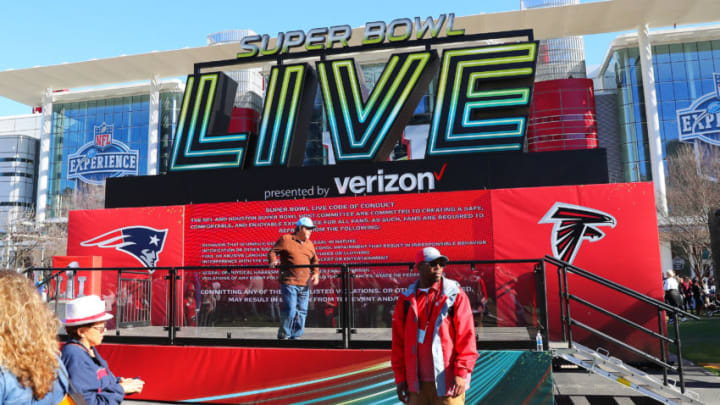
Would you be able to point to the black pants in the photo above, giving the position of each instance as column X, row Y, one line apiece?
column 673, row 298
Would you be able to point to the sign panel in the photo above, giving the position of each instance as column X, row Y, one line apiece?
column 592, row 226
column 701, row 121
column 361, row 377
column 373, row 229
column 469, row 172
column 131, row 237
column 102, row 158
column 609, row 230
column 483, row 94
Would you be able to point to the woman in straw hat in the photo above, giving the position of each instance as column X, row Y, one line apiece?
column 89, row 372
column 30, row 370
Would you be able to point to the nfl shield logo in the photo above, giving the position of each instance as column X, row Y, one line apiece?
column 103, row 135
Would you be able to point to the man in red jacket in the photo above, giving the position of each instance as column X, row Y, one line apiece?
column 433, row 342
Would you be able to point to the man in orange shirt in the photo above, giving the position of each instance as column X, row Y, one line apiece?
column 295, row 250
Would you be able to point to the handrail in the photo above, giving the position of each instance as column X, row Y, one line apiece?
column 621, row 343
column 347, row 306
column 619, row 287
column 621, row 319
column 567, row 321
column 265, row 266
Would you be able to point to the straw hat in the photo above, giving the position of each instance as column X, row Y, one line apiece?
column 85, row 310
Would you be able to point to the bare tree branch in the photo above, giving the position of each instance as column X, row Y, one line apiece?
column 692, row 191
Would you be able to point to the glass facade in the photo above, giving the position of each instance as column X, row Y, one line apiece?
column 558, row 58
column 81, row 129
column 170, row 104
column 18, row 176
column 683, row 73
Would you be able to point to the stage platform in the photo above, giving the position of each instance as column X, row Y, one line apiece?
column 292, row 375
column 487, row 337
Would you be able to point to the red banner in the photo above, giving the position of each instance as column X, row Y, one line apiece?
column 375, row 229
column 241, row 375
column 609, row 229
column 130, row 237
column 614, row 227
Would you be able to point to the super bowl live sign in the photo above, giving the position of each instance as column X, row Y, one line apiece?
column 101, row 158
column 701, row 120
column 483, row 84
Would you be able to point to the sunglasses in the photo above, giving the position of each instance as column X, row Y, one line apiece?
column 437, row 262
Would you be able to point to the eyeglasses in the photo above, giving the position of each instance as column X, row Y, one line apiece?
column 100, row 329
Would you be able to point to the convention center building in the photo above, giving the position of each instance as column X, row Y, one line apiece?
column 116, row 117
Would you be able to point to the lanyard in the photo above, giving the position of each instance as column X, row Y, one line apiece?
column 429, row 305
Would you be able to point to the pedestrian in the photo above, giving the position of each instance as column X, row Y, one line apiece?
column 30, row 368
column 698, row 296
column 295, row 255
column 89, row 372
column 433, row 336
column 671, row 286
column 686, row 292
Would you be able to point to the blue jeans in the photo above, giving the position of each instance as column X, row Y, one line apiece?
column 293, row 310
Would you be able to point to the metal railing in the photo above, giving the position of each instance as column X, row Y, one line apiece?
column 342, row 278
column 134, row 299
column 565, row 296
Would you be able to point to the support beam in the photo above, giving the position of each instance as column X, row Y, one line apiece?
column 657, row 164
column 43, row 182
column 153, row 127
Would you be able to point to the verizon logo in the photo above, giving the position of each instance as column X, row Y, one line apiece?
column 388, row 183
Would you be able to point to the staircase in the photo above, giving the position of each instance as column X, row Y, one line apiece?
column 600, row 363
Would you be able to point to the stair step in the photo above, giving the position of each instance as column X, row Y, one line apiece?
column 612, row 368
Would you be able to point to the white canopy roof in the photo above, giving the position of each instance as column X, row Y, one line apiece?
column 27, row 85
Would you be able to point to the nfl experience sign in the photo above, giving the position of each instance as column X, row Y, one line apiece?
column 481, row 99
column 701, row 121
column 102, row 157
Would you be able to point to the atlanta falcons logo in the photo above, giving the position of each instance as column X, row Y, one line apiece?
column 141, row 242
column 571, row 225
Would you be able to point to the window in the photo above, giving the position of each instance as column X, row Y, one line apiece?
column 704, row 50
column 678, row 71
column 661, row 53
column 667, row 110
column 681, row 90
column 664, row 72
column 676, row 53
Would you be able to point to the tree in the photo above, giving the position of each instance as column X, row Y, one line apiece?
column 693, row 191
column 28, row 243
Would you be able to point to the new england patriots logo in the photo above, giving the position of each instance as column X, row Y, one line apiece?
column 141, row 242
column 572, row 224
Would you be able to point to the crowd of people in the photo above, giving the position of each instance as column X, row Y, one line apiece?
column 695, row 295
